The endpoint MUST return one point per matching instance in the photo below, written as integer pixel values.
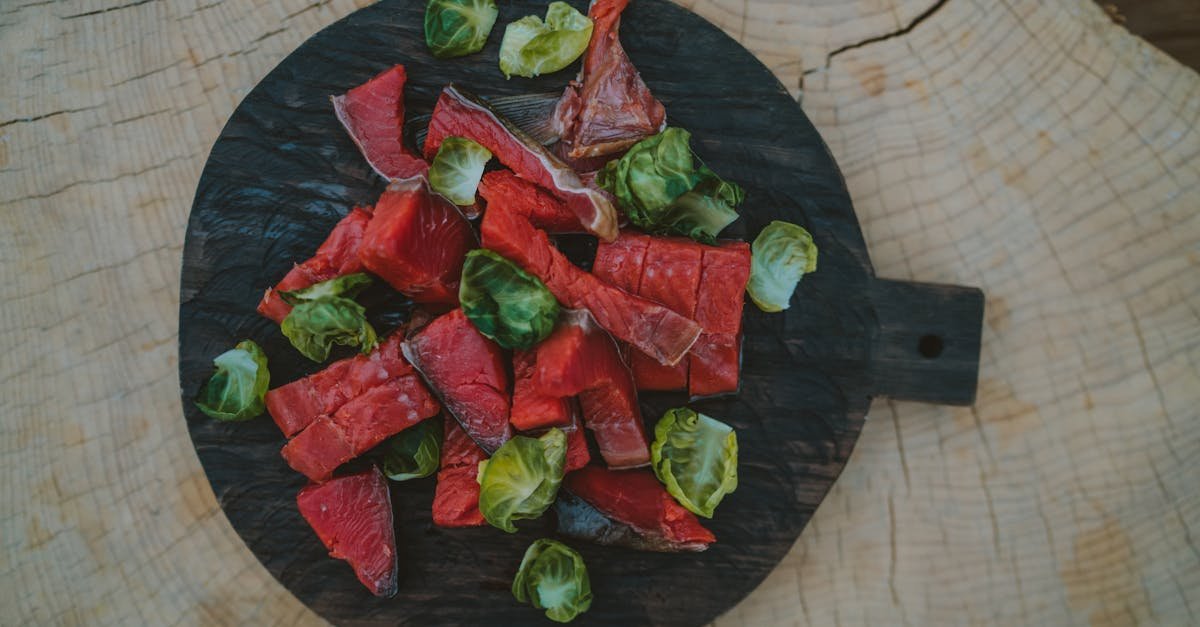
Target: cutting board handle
(928, 344)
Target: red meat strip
(456, 498)
(468, 372)
(296, 405)
(358, 426)
(532, 409)
(337, 256)
(636, 498)
(417, 242)
(652, 328)
(620, 262)
(508, 192)
(609, 108)
(459, 114)
(579, 358)
(670, 276)
(352, 516)
(373, 115)
(577, 450)
(715, 360)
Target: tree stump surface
(1033, 149)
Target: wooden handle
(928, 344)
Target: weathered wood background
(1033, 148)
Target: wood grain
(1035, 149)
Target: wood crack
(916, 21)
(106, 10)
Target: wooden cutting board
(1033, 149)
(283, 172)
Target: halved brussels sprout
(414, 452)
(532, 47)
(779, 257)
(457, 168)
(553, 577)
(504, 302)
(314, 326)
(454, 28)
(235, 391)
(696, 459)
(521, 478)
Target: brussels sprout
(696, 459)
(457, 168)
(454, 28)
(779, 257)
(347, 286)
(236, 390)
(521, 478)
(659, 187)
(414, 452)
(504, 302)
(314, 326)
(553, 577)
(531, 47)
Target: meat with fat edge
(608, 108)
(417, 242)
(352, 516)
(634, 498)
(468, 372)
(373, 115)
(461, 114)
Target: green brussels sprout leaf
(532, 47)
(347, 286)
(413, 453)
(454, 28)
(457, 168)
(521, 478)
(779, 257)
(658, 185)
(504, 302)
(696, 459)
(553, 577)
(314, 326)
(235, 391)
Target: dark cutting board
(283, 172)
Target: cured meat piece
(580, 358)
(417, 242)
(468, 372)
(456, 498)
(670, 276)
(359, 425)
(460, 114)
(659, 268)
(318, 450)
(652, 328)
(532, 409)
(608, 108)
(352, 516)
(337, 256)
(507, 192)
(620, 262)
(634, 498)
(578, 455)
(373, 115)
(716, 359)
(296, 405)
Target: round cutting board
(283, 172)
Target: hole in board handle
(930, 346)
